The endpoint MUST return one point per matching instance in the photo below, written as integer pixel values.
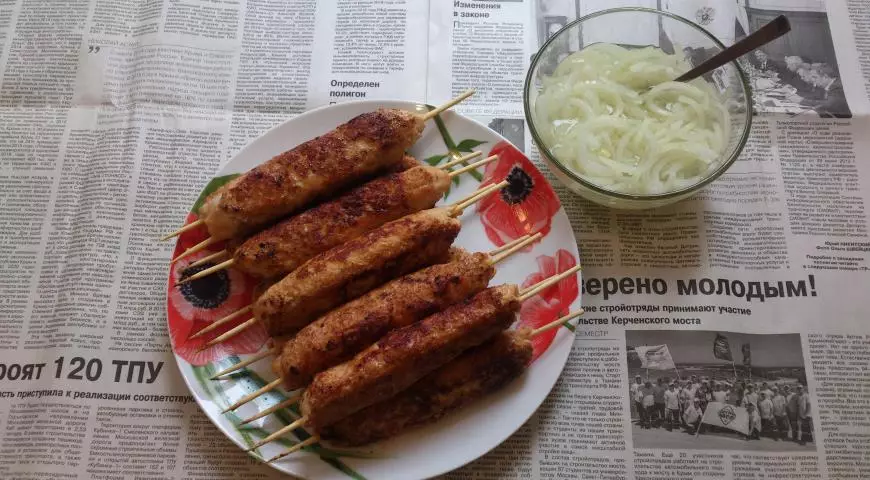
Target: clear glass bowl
(631, 28)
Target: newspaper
(114, 113)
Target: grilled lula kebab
(476, 373)
(364, 322)
(338, 333)
(405, 355)
(280, 249)
(345, 331)
(356, 267)
(283, 247)
(479, 370)
(308, 223)
(312, 170)
(408, 162)
(342, 333)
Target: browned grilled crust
(289, 181)
(406, 163)
(407, 354)
(475, 374)
(355, 267)
(342, 333)
(284, 247)
(261, 287)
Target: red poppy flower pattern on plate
(194, 305)
(552, 302)
(527, 205)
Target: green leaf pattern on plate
(454, 150)
(250, 382)
(468, 144)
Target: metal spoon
(778, 27)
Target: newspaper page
(116, 112)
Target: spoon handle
(778, 27)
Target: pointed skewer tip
(295, 448)
(181, 230)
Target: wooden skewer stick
(244, 363)
(537, 288)
(189, 226)
(279, 433)
(208, 271)
(229, 333)
(506, 246)
(247, 398)
(556, 323)
(190, 251)
(519, 246)
(474, 165)
(207, 259)
(222, 321)
(299, 446)
(432, 113)
(461, 159)
(294, 397)
(461, 205)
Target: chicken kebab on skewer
(278, 250)
(347, 330)
(457, 253)
(422, 287)
(408, 162)
(356, 267)
(311, 171)
(283, 247)
(342, 333)
(478, 372)
(231, 244)
(405, 355)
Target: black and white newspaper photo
(689, 390)
(798, 74)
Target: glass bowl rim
(629, 196)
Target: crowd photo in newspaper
(681, 388)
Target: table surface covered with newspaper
(725, 336)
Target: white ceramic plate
(528, 206)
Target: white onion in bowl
(599, 117)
